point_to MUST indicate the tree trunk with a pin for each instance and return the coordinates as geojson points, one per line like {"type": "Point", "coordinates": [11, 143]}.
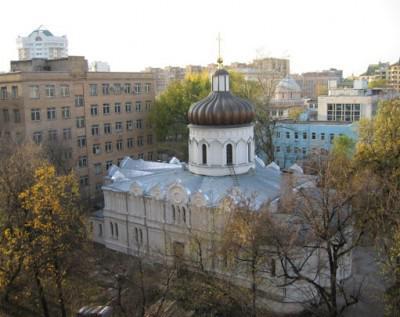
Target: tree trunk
{"type": "Point", "coordinates": [59, 288]}
{"type": "Point", "coordinates": [253, 289]}
{"type": "Point", "coordinates": [142, 288]}
{"type": "Point", "coordinates": [42, 296]}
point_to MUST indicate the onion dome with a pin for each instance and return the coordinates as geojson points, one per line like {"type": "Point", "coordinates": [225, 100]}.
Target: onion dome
{"type": "Point", "coordinates": [220, 107]}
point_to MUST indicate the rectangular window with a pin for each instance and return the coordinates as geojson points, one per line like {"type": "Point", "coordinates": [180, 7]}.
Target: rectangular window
{"type": "Point", "coordinates": [67, 154]}
{"type": "Point", "coordinates": [66, 112]}
{"type": "Point", "coordinates": [117, 107]}
{"type": "Point", "coordinates": [304, 150]}
{"type": "Point", "coordinates": [14, 92]}
{"type": "Point", "coordinates": [118, 126]}
{"type": "Point", "coordinates": [129, 125]}
{"type": "Point", "coordinates": [94, 110]}
{"type": "Point", "coordinates": [67, 134]}
{"type": "Point", "coordinates": [149, 156]}
{"type": "Point", "coordinates": [100, 227]}
{"type": "Point", "coordinates": [129, 143]}
{"type": "Point", "coordinates": [139, 123]}
{"type": "Point", "coordinates": [128, 107]}
{"type": "Point", "coordinates": [140, 156]}
{"type": "Point", "coordinates": [84, 181]}
{"type": "Point", "coordinates": [147, 87]}
{"type": "Point", "coordinates": [64, 91]}
{"type": "Point", "coordinates": [79, 101]}
{"type": "Point", "coordinates": [287, 135]}
{"type": "Point", "coordinates": [108, 164]}
{"type": "Point", "coordinates": [3, 93]}
{"type": "Point", "coordinates": [17, 116]}
{"type": "Point", "coordinates": [37, 137]}
{"type": "Point", "coordinates": [117, 89]}
{"type": "Point", "coordinates": [81, 141]}
{"type": "Point", "coordinates": [107, 128]}
{"type": "Point", "coordinates": [51, 113]}
{"type": "Point", "coordinates": [331, 137]}
{"type": "Point", "coordinates": [97, 169]}
{"type": "Point", "coordinates": [148, 105]}
{"type": "Point", "coordinates": [93, 89]}
{"type": "Point", "coordinates": [137, 88]}
{"type": "Point", "coordinates": [80, 122]}
{"type": "Point", "coordinates": [278, 149]}
{"type": "Point", "coordinates": [108, 147]}
{"type": "Point", "coordinates": [120, 145]}
{"type": "Point", "coordinates": [149, 139]}
{"type": "Point", "coordinates": [127, 89]}
{"type": "Point", "coordinates": [96, 149]}
{"type": "Point", "coordinates": [139, 141]}
{"type": "Point", "coordinates": [106, 89]}
{"type": "Point", "coordinates": [296, 135]}
{"type": "Point", "coordinates": [82, 162]}
{"type": "Point", "coordinates": [278, 134]}
{"type": "Point", "coordinates": [53, 135]}
{"type": "Point", "coordinates": [322, 136]}
{"type": "Point", "coordinates": [288, 149]}
{"type": "Point", "coordinates": [304, 135]}
{"type": "Point", "coordinates": [95, 130]}
{"type": "Point", "coordinates": [6, 115]}
{"type": "Point", "coordinates": [313, 135]}
{"type": "Point", "coordinates": [50, 91]}
{"type": "Point", "coordinates": [34, 92]}
{"type": "Point", "coordinates": [35, 114]}
{"type": "Point", "coordinates": [106, 109]}
{"type": "Point", "coordinates": [138, 106]}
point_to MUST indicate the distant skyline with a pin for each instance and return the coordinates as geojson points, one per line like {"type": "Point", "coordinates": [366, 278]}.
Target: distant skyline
{"type": "Point", "coordinates": [132, 35]}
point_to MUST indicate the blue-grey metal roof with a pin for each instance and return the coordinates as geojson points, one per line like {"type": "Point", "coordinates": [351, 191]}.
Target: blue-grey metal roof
{"type": "Point", "coordinates": [264, 182]}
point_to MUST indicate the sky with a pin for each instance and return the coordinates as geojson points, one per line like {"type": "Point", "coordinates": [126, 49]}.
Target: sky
{"type": "Point", "coordinates": [131, 35]}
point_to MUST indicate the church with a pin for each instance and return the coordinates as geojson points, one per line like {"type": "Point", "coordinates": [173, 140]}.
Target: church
{"type": "Point", "coordinates": [154, 208]}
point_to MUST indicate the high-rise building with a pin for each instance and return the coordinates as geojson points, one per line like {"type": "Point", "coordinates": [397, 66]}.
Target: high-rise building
{"type": "Point", "coordinates": [271, 68]}
{"type": "Point", "coordinates": [95, 118]}
{"type": "Point", "coordinates": [41, 43]}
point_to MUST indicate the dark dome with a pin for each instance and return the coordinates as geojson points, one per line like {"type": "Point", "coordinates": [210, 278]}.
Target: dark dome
{"type": "Point", "coordinates": [221, 108]}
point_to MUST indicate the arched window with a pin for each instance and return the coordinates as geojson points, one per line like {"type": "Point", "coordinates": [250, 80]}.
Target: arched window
{"type": "Point", "coordinates": [249, 152]}
{"type": "Point", "coordinates": [229, 158]}
{"type": "Point", "coordinates": [204, 153]}
{"type": "Point", "coordinates": [173, 214]}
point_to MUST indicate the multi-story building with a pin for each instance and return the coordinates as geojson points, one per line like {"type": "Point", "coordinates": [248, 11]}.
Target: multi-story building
{"type": "Point", "coordinates": [41, 43]}
{"type": "Point", "coordinates": [271, 68]}
{"type": "Point", "coordinates": [97, 118]}
{"type": "Point", "coordinates": [376, 72]}
{"type": "Point", "coordinates": [164, 76]}
{"type": "Point", "coordinates": [314, 84]}
{"type": "Point", "coordinates": [394, 76]}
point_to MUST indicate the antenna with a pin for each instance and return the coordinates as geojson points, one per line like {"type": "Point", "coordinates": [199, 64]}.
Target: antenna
{"type": "Point", "coordinates": [219, 60]}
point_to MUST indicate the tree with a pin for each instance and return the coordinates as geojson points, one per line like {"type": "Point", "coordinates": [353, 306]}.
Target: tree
{"type": "Point", "coordinates": [378, 157]}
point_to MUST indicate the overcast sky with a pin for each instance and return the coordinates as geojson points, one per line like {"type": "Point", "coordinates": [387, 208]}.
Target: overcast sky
{"type": "Point", "coordinates": [131, 35]}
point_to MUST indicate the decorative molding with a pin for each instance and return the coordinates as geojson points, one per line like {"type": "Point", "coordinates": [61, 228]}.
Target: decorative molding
{"type": "Point", "coordinates": [136, 189]}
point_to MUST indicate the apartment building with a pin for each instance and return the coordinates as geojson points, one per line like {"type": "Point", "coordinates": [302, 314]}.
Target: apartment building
{"type": "Point", "coordinates": [97, 118]}
{"type": "Point", "coordinates": [394, 76]}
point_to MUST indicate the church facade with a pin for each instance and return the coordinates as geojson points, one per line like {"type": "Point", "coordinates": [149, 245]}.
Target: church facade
{"type": "Point", "coordinates": [155, 209]}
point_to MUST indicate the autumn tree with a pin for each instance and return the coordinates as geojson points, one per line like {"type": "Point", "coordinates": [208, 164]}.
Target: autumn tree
{"type": "Point", "coordinates": [378, 156]}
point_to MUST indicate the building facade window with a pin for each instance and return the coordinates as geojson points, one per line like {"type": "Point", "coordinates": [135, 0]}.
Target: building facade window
{"type": "Point", "coordinates": [84, 181]}
{"type": "Point", "coordinates": [139, 141]}
{"type": "Point", "coordinates": [106, 89]}
{"type": "Point", "coordinates": [117, 89]}
{"type": "Point", "coordinates": [141, 156]}
{"type": "Point", "coordinates": [51, 113]}
{"type": "Point", "coordinates": [34, 92]}
{"type": "Point", "coordinates": [50, 91]}
{"type": "Point", "coordinates": [150, 139]}
{"type": "Point", "coordinates": [108, 164]}
{"type": "Point", "coordinates": [117, 107]}
{"type": "Point", "coordinates": [82, 161]}
{"type": "Point", "coordinates": [97, 168]}
{"type": "Point", "coordinates": [14, 92]}
{"type": "Point", "coordinates": [79, 101]}
{"type": "Point", "coordinates": [37, 137]}
{"type": "Point", "coordinates": [95, 130]}
{"type": "Point", "coordinates": [343, 112]}
{"type": "Point", "coordinates": [80, 122]}
{"type": "Point", "coordinates": [313, 135]}
{"type": "Point", "coordinates": [107, 128]}
{"type": "Point", "coordinates": [322, 136]}
{"type": "Point", "coordinates": [94, 110]}
{"type": "Point", "coordinates": [204, 154]}
{"type": "Point", "coordinates": [17, 116]}
{"type": "Point", "coordinates": [147, 88]}
{"type": "Point", "coordinates": [127, 88]}
{"type": "Point", "coordinates": [81, 141]}
{"type": "Point", "coordinates": [3, 93]}
{"type": "Point", "coordinates": [93, 89]}
{"type": "Point", "coordinates": [106, 109]}
{"type": "Point", "coordinates": [148, 105]}
{"type": "Point", "coordinates": [6, 115]}
{"type": "Point", "coordinates": [120, 145]}
{"type": "Point", "coordinates": [139, 123]}
{"type": "Point", "coordinates": [139, 236]}
{"type": "Point", "coordinates": [149, 156]}
{"type": "Point", "coordinates": [129, 125]}
{"type": "Point", "coordinates": [229, 155]}
{"type": "Point", "coordinates": [138, 106]}
{"type": "Point", "coordinates": [64, 91]}
{"type": "Point", "coordinates": [305, 135]}
{"type": "Point", "coordinates": [108, 147]}
{"type": "Point", "coordinates": [52, 135]}
{"type": "Point", "coordinates": [65, 112]}
{"type": "Point", "coordinates": [296, 135]}
{"type": "Point", "coordinates": [129, 143]}
{"type": "Point", "coordinates": [128, 107]}
{"type": "Point", "coordinates": [67, 133]}
{"type": "Point", "coordinates": [35, 114]}
{"type": "Point", "coordinates": [287, 135]}
{"type": "Point", "coordinates": [96, 149]}
{"type": "Point", "coordinates": [137, 88]}
{"type": "Point", "coordinates": [118, 126]}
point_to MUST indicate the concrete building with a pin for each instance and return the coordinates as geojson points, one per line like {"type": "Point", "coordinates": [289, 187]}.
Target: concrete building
{"type": "Point", "coordinates": [41, 43]}
{"type": "Point", "coordinates": [266, 68]}
{"type": "Point", "coordinates": [374, 72]}
{"type": "Point", "coordinates": [155, 209]}
{"type": "Point", "coordinates": [164, 76]}
{"type": "Point", "coordinates": [394, 76]}
{"type": "Point", "coordinates": [294, 142]}
{"type": "Point", "coordinates": [98, 118]}
{"type": "Point", "coordinates": [287, 98]}
{"type": "Point", "coordinates": [314, 84]}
